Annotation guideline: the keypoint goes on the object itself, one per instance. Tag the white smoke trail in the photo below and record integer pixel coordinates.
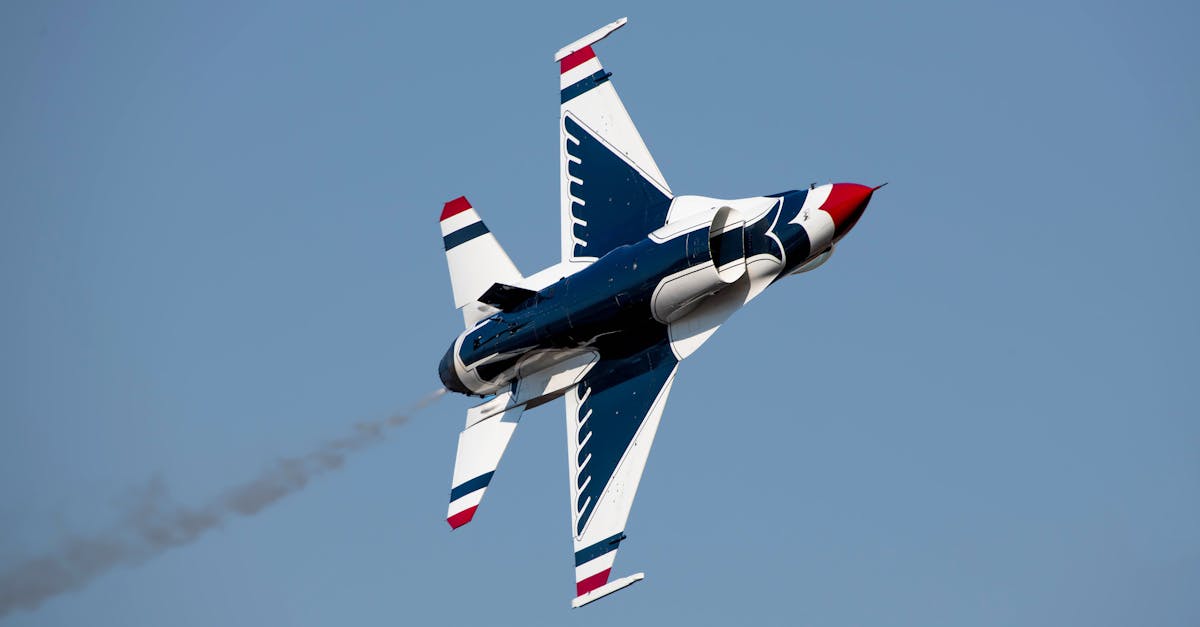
(153, 524)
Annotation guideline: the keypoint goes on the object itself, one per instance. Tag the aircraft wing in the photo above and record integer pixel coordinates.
(612, 192)
(612, 416)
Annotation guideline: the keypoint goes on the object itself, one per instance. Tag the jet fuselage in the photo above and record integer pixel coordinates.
(623, 302)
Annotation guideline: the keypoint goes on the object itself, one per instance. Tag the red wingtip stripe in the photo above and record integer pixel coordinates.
(591, 583)
(455, 207)
(462, 517)
(575, 59)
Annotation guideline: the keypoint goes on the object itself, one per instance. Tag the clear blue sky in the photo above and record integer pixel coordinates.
(219, 245)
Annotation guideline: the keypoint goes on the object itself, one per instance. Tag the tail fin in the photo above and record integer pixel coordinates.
(475, 258)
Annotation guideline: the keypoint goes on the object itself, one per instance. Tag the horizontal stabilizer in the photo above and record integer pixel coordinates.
(480, 447)
(606, 589)
(505, 297)
(475, 258)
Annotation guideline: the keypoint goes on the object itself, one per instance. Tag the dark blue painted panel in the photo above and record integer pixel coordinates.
(607, 545)
(794, 237)
(619, 205)
(464, 235)
(578, 88)
(620, 392)
(471, 485)
(609, 298)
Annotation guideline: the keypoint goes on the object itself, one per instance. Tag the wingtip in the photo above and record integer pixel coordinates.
(587, 40)
(606, 589)
(462, 518)
(455, 207)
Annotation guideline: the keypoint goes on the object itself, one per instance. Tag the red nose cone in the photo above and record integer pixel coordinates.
(846, 204)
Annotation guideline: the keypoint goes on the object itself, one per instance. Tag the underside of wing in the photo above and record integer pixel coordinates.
(612, 417)
(612, 190)
(612, 202)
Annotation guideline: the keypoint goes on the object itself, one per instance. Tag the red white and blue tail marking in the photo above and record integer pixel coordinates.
(475, 258)
(579, 73)
(460, 223)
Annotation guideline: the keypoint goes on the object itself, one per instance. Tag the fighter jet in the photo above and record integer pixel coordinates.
(646, 278)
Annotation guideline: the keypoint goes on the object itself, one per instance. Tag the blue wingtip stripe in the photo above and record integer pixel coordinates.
(471, 485)
(576, 89)
(464, 235)
(607, 545)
